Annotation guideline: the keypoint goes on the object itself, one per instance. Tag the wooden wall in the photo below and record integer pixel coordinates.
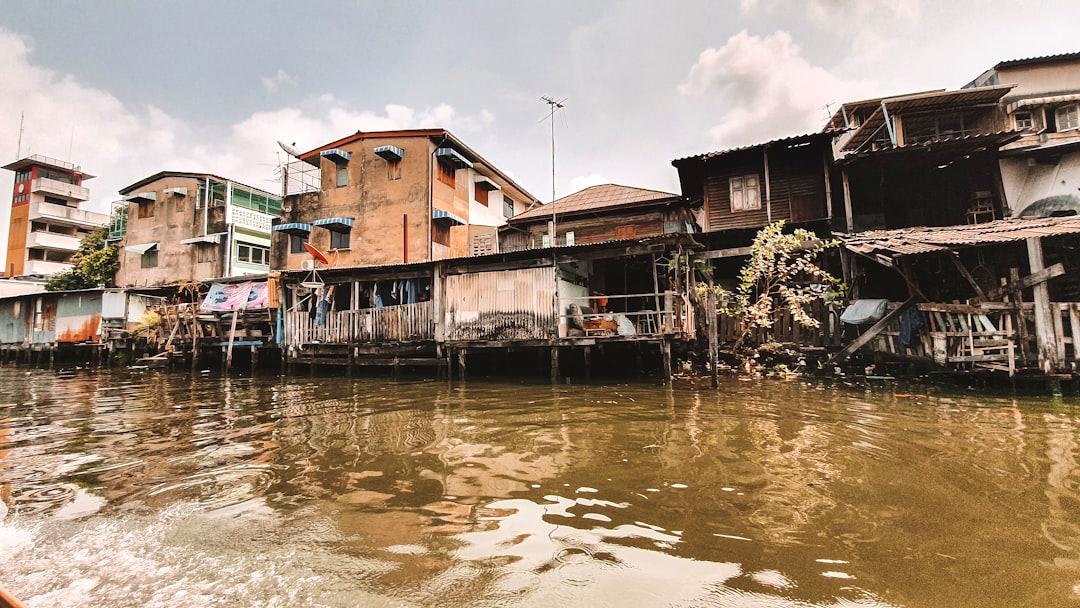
(796, 180)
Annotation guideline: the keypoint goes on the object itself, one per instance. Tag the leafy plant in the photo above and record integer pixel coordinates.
(93, 265)
(782, 273)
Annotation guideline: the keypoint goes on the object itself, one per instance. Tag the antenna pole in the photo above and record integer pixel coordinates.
(22, 117)
(553, 105)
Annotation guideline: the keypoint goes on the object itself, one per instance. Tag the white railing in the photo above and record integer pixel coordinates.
(65, 214)
(404, 323)
(59, 188)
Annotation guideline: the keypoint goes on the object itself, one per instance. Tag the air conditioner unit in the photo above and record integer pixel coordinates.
(307, 265)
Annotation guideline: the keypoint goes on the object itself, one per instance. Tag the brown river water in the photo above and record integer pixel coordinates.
(154, 489)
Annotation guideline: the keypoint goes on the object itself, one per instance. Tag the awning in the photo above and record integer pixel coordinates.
(334, 223)
(213, 239)
(439, 215)
(176, 191)
(453, 158)
(485, 184)
(337, 155)
(389, 153)
(293, 228)
(140, 249)
(1040, 101)
(141, 197)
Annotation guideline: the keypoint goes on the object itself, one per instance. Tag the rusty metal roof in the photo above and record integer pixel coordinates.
(971, 142)
(920, 240)
(791, 140)
(1008, 63)
(596, 198)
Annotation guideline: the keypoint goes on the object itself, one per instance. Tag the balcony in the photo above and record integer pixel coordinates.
(51, 240)
(43, 267)
(68, 216)
(58, 188)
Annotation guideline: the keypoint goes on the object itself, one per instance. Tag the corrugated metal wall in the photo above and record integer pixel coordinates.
(501, 305)
(78, 317)
(13, 320)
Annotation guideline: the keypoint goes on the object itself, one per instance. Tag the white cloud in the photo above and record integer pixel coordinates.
(280, 80)
(122, 143)
(584, 181)
(764, 88)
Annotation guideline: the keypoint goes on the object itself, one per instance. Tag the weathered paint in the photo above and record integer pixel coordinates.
(501, 305)
(78, 317)
(13, 320)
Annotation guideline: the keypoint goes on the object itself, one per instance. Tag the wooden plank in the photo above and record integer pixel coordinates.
(1074, 329)
(1045, 335)
(874, 330)
(848, 215)
(1030, 280)
(724, 253)
(955, 257)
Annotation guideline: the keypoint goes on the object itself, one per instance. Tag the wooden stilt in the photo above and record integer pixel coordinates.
(462, 369)
(1045, 334)
(254, 359)
(587, 354)
(555, 364)
(665, 355)
(710, 318)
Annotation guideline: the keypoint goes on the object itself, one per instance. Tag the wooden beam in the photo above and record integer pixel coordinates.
(1045, 326)
(768, 186)
(874, 330)
(955, 257)
(724, 253)
(828, 184)
(848, 215)
(1030, 280)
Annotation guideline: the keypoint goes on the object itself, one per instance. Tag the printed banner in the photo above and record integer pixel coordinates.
(225, 297)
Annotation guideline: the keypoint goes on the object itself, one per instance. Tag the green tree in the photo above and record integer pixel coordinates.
(93, 265)
(782, 272)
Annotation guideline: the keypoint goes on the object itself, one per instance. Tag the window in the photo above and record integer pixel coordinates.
(296, 243)
(745, 195)
(342, 176)
(440, 234)
(252, 254)
(146, 210)
(446, 173)
(1023, 120)
(1067, 117)
(480, 195)
(22, 176)
(339, 239)
(56, 201)
(205, 253)
(148, 259)
(508, 207)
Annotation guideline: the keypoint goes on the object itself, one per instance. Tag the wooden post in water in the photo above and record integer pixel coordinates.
(254, 359)
(1045, 335)
(587, 354)
(665, 354)
(554, 364)
(710, 319)
(462, 369)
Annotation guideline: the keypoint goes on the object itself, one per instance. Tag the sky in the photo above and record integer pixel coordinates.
(126, 89)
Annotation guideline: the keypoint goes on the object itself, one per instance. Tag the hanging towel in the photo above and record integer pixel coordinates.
(861, 312)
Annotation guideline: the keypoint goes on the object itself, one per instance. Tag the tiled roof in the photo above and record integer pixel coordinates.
(913, 241)
(594, 198)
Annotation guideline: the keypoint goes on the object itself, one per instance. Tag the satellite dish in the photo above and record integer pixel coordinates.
(290, 150)
(317, 255)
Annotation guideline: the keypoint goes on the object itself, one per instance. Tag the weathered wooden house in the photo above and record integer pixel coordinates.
(924, 159)
(606, 212)
(749, 187)
(566, 298)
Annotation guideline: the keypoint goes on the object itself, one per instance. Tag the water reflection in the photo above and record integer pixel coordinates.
(343, 492)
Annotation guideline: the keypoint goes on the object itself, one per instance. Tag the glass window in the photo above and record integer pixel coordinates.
(1023, 120)
(149, 259)
(342, 176)
(339, 239)
(1067, 117)
(508, 207)
(296, 243)
(745, 195)
(243, 253)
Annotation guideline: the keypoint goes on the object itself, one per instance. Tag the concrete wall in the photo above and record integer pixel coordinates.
(1028, 180)
(1041, 79)
(175, 219)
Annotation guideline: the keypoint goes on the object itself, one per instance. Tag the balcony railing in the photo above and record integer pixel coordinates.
(403, 323)
(56, 187)
(52, 240)
(66, 215)
(44, 267)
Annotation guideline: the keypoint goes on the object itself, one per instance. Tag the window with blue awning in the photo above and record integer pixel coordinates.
(340, 224)
(293, 228)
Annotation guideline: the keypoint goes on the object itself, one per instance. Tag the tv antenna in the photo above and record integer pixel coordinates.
(553, 105)
(22, 117)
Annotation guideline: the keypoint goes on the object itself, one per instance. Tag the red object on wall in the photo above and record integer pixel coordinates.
(316, 254)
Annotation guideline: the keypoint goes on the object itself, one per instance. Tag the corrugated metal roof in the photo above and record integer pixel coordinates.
(595, 198)
(1008, 63)
(789, 140)
(922, 102)
(914, 241)
(996, 138)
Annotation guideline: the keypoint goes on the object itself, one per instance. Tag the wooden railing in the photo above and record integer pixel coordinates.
(404, 323)
(660, 313)
(785, 329)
